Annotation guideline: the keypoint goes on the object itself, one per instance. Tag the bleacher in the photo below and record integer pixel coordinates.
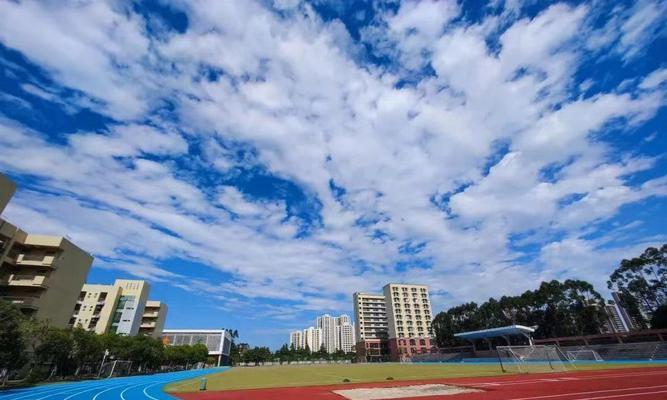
(626, 351)
(619, 351)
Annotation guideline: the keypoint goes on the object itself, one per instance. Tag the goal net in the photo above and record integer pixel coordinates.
(583, 355)
(531, 359)
(115, 368)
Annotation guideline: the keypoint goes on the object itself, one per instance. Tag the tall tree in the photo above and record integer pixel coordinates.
(12, 341)
(56, 348)
(86, 348)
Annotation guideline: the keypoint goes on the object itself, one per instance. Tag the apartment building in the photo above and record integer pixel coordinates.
(39, 273)
(312, 338)
(332, 333)
(409, 319)
(371, 333)
(296, 339)
(330, 338)
(217, 341)
(346, 334)
(119, 308)
(7, 189)
(152, 322)
(393, 325)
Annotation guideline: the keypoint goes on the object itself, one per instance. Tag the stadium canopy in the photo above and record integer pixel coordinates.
(503, 332)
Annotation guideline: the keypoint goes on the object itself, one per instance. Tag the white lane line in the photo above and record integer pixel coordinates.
(60, 391)
(122, 394)
(88, 390)
(146, 388)
(585, 377)
(590, 392)
(622, 395)
(103, 391)
(31, 393)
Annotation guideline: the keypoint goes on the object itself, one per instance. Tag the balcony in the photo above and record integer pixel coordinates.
(35, 260)
(35, 281)
(23, 302)
(153, 314)
(147, 325)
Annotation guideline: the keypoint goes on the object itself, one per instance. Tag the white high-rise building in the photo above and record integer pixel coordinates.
(347, 342)
(337, 332)
(296, 339)
(327, 324)
(312, 338)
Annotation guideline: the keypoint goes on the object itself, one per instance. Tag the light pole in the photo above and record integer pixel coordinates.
(106, 353)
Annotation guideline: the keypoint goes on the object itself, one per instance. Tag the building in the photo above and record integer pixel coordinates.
(327, 324)
(332, 333)
(312, 338)
(371, 333)
(296, 339)
(116, 308)
(408, 320)
(393, 325)
(121, 308)
(41, 274)
(7, 189)
(153, 319)
(347, 342)
(332, 329)
(218, 341)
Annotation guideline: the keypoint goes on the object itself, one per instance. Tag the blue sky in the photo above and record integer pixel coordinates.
(258, 162)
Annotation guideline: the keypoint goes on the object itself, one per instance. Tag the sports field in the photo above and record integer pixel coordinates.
(646, 383)
(314, 375)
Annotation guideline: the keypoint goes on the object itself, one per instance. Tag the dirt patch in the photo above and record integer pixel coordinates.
(400, 392)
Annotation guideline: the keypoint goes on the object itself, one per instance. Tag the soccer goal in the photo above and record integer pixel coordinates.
(532, 359)
(115, 368)
(583, 355)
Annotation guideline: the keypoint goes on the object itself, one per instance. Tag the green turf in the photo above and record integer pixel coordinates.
(307, 375)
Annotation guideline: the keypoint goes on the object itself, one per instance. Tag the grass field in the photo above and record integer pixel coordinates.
(310, 375)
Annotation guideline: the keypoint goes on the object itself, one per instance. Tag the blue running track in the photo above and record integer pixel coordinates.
(145, 387)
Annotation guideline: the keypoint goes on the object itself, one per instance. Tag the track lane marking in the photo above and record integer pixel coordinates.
(122, 394)
(562, 379)
(589, 392)
(84, 391)
(148, 395)
(621, 395)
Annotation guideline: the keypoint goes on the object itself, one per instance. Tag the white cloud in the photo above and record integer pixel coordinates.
(494, 145)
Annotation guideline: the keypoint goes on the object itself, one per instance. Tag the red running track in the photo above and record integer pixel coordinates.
(617, 384)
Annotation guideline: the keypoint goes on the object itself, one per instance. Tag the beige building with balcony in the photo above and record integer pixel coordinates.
(121, 308)
(409, 319)
(40, 274)
(152, 322)
(393, 325)
(370, 313)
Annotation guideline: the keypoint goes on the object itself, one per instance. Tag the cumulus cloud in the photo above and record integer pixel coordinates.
(489, 148)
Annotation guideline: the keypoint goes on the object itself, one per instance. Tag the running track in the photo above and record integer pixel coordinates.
(145, 387)
(618, 384)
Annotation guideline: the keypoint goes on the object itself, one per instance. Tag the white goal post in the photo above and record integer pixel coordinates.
(532, 359)
(115, 368)
(583, 355)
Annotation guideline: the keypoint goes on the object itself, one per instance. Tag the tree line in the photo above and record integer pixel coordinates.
(285, 355)
(35, 351)
(568, 308)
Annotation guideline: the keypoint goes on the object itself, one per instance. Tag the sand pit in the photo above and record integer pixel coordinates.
(400, 392)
